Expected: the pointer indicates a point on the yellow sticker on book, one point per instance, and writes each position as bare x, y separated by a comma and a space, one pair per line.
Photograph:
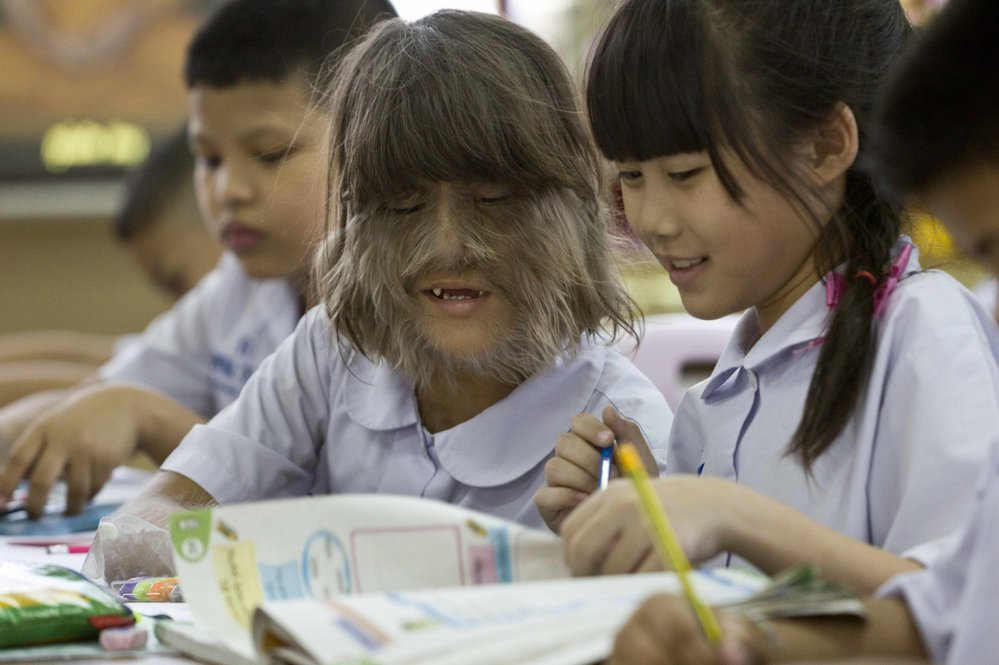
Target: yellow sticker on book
238, 580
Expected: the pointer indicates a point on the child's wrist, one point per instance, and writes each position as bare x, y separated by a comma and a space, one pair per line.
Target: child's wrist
728, 516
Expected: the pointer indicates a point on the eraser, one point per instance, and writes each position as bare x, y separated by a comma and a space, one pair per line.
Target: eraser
123, 639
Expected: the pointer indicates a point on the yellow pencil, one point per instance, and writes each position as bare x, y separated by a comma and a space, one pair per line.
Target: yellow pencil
664, 539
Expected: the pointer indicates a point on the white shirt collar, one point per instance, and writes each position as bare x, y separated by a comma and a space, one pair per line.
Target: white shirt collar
496, 446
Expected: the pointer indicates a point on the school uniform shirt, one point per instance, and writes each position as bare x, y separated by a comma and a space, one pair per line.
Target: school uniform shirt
202, 351
901, 473
318, 419
953, 600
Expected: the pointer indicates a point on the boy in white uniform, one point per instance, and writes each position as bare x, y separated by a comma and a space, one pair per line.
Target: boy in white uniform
466, 282
938, 142
260, 147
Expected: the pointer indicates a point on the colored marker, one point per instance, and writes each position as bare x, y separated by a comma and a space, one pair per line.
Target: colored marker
148, 589
64, 548
664, 539
606, 455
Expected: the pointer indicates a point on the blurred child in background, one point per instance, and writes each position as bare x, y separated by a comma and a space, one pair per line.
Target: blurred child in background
260, 147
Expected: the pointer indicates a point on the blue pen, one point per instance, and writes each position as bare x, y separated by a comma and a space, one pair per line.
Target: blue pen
606, 455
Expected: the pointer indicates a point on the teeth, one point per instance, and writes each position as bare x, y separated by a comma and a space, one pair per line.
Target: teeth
439, 293
685, 263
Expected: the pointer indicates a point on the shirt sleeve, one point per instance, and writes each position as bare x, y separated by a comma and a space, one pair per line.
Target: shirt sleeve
951, 598
173, 354
938, 422
636, 398
267, 443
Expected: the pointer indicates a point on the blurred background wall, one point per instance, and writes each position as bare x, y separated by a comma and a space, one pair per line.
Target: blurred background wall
88, 86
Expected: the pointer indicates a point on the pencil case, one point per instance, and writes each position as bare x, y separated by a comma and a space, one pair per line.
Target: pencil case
42, 603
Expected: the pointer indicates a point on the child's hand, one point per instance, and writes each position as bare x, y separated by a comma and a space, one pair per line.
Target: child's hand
607, 535
664, 631
574, 472
81, 441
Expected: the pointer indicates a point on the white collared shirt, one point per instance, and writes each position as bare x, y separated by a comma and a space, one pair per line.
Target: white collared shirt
901, 473
314, 420
202, 351
953, 600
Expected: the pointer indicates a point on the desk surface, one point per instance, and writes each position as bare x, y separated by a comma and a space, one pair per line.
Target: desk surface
124, 485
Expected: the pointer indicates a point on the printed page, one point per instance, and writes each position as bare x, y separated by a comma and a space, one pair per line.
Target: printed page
558, 622
232, 558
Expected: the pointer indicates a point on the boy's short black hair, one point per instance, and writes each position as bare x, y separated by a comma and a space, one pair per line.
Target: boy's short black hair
939, 111
159, 182
271, 40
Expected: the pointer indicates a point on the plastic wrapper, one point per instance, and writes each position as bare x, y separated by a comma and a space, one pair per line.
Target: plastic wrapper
42, 603
125, 547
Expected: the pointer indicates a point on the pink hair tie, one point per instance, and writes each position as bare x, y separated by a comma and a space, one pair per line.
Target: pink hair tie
886, 288
836, 282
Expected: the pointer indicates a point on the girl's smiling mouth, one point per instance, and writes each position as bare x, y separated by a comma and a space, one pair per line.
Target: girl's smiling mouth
456, 300
682, 272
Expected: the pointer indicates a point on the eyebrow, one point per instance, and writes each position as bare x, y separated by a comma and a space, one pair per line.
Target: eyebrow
264, 131
259, 132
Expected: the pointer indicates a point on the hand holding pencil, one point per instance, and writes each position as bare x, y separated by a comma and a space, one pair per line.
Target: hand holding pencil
665, 541
605, 534
574, 472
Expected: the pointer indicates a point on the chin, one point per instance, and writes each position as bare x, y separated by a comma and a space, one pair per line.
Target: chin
706, 312
263, 269
461, 348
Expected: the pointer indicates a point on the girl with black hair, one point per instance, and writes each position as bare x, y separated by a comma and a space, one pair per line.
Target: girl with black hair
849, 416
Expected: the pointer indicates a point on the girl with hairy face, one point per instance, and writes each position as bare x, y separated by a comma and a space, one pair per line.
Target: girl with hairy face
467, 285
468, 238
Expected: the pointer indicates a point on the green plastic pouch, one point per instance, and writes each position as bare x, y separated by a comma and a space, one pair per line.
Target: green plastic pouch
41, 603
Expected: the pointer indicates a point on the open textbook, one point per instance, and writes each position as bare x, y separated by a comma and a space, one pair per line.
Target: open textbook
554, 622
352, 579
230, 559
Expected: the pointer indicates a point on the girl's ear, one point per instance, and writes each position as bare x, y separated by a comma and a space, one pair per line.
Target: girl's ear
834, 145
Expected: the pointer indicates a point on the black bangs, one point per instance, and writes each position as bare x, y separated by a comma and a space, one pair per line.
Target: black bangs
403, 125
634, 70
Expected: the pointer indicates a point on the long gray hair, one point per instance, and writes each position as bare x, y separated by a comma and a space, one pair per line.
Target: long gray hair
465, 98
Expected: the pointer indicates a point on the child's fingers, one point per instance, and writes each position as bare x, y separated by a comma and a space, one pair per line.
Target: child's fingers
588, 537
589, 428
627, 554
100, 474
78, 484
635, 645
627, 431
46, 470
561, 472
554, 503
17, 465
650, 563
579, 453
662, 630
586, 512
